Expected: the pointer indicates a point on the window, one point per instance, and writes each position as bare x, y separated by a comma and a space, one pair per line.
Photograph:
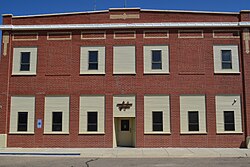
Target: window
156, 60
124, 125
229, 124
226, 59
193, 121
57, 114
22, 114
193, 114
25, 61
56, 121
22, 121
157, 121
93, 60
92, 121
228, 114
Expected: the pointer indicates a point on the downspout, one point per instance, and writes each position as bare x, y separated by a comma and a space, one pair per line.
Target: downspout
243, 84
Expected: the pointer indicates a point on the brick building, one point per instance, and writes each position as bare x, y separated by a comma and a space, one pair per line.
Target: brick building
125, 77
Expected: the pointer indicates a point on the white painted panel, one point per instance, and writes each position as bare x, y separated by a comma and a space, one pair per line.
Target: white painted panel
56, 104
3, 140
22, 104
192, 103
148, 59
17, 60
94, 104
85, 58
227, 103
124, 60
118, 99
156, 103
218, 59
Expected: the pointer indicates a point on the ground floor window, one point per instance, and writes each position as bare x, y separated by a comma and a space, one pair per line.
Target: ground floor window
56, 121
157, 121
22, 121
193, 120
92, 121
229, 124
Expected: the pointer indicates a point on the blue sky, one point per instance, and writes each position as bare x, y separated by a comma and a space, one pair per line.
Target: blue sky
27, 7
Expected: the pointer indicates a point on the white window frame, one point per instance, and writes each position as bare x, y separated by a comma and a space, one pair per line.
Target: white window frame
22, 104
217, 54
193, 102
16, 66
154, 103
92, 103
148, 51
84, 60
228, 102
56, 104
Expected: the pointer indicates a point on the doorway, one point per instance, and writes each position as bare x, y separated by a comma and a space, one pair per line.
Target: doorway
125, 132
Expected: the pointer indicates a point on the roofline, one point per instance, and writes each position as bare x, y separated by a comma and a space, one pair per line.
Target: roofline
188, 11
131, 25
57, 14
110, 9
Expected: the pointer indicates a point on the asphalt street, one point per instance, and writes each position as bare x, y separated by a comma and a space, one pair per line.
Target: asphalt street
26, 161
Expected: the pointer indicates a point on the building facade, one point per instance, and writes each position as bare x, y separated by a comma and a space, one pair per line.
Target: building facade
125, 77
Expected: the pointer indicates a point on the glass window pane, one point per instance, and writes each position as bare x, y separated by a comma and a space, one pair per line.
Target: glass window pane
25, 57
57, 117
226, 65
156, 56
93, 66
93, 56
156, 66
25, 67
226, 55
193, 117
92, 117
124, 125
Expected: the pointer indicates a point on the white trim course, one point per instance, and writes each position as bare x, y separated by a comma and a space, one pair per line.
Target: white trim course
120, 26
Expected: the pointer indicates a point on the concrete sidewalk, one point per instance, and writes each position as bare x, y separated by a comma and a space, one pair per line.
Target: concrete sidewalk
127, 152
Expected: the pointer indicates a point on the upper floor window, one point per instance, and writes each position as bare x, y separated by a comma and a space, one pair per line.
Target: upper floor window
156, 59
93, 60
226, 59
24, 61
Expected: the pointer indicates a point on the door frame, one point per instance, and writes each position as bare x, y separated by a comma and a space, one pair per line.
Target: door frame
117, 121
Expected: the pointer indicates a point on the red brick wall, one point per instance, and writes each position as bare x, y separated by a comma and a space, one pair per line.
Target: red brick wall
58, 71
